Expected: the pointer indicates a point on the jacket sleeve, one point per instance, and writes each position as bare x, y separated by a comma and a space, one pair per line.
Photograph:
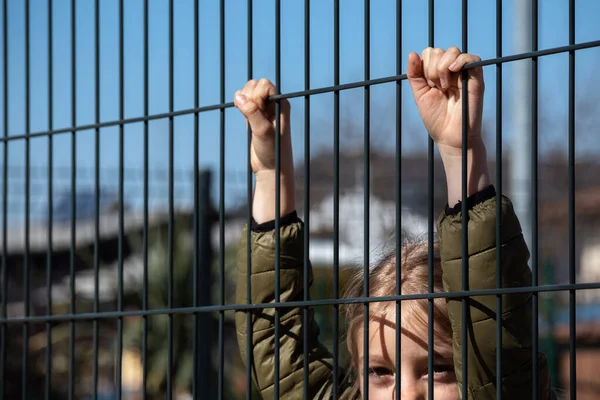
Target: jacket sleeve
291, 341
516, 310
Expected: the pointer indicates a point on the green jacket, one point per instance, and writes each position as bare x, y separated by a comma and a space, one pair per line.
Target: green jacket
516, 310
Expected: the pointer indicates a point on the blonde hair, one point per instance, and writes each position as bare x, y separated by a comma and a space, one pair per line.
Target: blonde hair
414, 261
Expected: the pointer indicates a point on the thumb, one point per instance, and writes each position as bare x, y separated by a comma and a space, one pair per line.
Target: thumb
258, 122
415, 76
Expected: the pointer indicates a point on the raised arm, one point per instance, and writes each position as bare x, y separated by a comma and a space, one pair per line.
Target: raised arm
252, 102
437, 87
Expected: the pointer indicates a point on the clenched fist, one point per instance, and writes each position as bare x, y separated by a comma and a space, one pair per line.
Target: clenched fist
436, 83
260, 114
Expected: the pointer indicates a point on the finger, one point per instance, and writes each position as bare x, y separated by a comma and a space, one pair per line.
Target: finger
463, 60
258, 122
443, 71
426, 56
473, 73
265, 88
261, 93
434, 59
415, 76
249, 87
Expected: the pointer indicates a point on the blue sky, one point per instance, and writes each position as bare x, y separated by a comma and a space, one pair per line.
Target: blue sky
553, 31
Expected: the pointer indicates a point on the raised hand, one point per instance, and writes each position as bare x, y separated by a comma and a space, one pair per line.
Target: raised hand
260, 114
437, 86
436, 83
253, 102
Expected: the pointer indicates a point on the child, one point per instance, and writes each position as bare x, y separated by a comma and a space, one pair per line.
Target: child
436, 83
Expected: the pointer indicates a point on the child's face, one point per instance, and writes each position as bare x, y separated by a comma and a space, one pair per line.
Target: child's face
413, 361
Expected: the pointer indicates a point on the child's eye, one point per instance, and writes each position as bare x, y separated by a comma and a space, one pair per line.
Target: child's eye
443, 372
442, 368
380, 372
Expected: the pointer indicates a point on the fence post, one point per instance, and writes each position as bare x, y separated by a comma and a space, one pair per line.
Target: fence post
204, 321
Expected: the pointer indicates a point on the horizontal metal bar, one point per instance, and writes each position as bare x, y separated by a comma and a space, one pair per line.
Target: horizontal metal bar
534, 54
311, 303
327, 89
122, 121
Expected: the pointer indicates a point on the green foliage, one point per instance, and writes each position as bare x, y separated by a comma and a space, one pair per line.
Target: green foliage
158, 298
182, 253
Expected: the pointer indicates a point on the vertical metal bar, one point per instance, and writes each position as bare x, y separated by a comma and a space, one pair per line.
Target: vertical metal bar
336, 190
4, 195
305, 310
120, 196
73, 197
367, 189
277, 186
221, 360
205, 361
430, 225
25, 371
572, 276
398, 195
499, 200
96, 326
249, 347
534, 194
170, 245
48, 380
197, 327
145, 244
464, 208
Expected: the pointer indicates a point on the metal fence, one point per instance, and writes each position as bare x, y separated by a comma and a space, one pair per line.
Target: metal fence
200, 307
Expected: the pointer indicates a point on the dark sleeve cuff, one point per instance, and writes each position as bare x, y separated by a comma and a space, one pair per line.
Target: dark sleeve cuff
477, 198
270, 225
